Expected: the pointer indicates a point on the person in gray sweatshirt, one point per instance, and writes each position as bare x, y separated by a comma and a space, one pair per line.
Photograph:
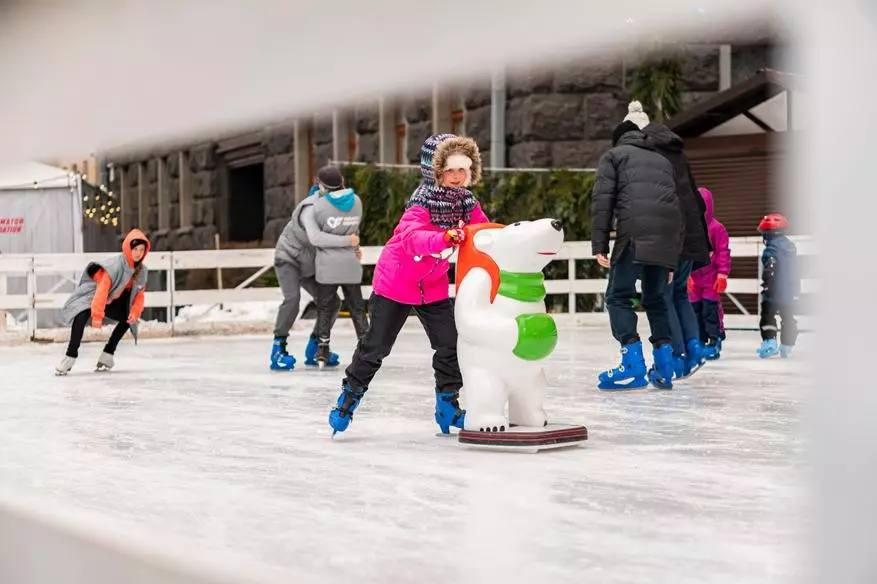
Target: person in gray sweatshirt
337, 211
294, 263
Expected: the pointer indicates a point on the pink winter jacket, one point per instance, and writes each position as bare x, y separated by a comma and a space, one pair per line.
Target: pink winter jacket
706, 276
400, 276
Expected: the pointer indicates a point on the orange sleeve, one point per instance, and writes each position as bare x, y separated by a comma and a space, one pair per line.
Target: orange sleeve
137, 307
99, 303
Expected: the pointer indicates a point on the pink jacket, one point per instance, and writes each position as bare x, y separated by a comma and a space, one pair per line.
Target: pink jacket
399, 276
706, 276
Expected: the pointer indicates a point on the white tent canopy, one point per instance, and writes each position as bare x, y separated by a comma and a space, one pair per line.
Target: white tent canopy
35, 175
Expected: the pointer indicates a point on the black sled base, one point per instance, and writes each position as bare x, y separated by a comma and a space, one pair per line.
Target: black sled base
526, 438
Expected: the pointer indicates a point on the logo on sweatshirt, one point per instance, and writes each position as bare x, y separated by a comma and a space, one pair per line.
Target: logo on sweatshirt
336, 222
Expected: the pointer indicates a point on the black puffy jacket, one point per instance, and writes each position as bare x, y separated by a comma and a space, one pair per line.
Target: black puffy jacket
635, 185
696, 245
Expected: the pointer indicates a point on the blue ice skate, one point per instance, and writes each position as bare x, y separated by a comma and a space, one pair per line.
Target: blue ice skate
694, 357
767, 349
447, 411
280, 359
341, 416
713, 349
631, 374
311, 355
679, 370
786, 351
661, 374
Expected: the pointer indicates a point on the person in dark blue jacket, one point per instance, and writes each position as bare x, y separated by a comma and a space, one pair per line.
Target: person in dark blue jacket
780, 287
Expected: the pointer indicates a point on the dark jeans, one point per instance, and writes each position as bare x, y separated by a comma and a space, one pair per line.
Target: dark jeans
328, 304
387, 318
622, 289
116, 310
683, 320
768, 324
708, 319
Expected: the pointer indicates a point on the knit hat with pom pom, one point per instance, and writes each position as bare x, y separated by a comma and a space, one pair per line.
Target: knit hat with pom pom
636, 115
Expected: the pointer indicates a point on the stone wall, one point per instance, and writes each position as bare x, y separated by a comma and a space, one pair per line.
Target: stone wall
278, 142
562, 116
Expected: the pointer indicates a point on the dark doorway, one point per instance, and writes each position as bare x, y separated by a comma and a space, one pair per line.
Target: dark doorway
246, 203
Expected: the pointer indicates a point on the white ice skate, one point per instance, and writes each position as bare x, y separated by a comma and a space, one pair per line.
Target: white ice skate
104, 362
65, 366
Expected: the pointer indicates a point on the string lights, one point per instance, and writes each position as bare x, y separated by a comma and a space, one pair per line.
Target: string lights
100, 204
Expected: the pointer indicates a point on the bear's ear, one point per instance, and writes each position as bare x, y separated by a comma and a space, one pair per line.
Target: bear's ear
484, 239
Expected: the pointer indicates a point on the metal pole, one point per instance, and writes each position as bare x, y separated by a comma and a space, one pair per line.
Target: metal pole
497, 119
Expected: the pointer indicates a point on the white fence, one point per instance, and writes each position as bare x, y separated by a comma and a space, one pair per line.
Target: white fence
69, 266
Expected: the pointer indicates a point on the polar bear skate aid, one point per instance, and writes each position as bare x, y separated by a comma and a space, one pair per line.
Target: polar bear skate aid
504, 335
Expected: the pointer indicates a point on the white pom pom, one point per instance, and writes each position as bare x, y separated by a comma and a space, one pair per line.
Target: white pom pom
635, 107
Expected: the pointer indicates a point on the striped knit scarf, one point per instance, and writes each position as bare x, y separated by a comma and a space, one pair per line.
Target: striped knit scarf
447, 206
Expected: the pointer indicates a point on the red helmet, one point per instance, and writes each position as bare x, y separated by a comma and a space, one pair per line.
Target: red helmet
773, 222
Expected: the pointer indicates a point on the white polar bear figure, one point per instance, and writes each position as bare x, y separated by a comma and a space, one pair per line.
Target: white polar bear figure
503, 329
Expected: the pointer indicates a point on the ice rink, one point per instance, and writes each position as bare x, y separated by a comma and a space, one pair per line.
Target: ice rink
195, 445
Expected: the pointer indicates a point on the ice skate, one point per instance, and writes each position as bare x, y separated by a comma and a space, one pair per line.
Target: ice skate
105, 362
786, 351
694, 357
280, 359
713, 349
630, 374
323, 356
311, 355
661, 374
341, 416
64, 367
767, 349
447, 411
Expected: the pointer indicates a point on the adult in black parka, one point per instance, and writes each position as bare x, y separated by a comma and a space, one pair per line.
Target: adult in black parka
636, 188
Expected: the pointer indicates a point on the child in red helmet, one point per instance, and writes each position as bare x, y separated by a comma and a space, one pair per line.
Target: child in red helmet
780, 287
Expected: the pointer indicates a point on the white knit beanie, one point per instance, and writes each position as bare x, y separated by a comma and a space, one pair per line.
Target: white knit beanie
636, 115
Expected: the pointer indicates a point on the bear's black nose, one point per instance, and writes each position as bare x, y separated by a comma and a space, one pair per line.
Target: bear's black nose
558, 226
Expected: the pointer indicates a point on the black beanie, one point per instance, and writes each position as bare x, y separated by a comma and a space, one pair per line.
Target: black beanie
623, 128
330, 177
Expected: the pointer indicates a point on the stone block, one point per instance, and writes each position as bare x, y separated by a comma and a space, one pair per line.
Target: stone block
578, 153
603, 112
273, 229
700, 68
415, 136
578, 76
368, 148
527, 81
278, 139
367, 119
478, 126
279, 202
202, 157
545, 118
530, 155
418, 109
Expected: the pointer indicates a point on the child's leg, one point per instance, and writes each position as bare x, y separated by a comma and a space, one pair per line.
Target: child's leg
387, 319
438, 321
118, 311
711, 319
290, 284
768, 323
721, 321
80, 321
328, 304
789, 332
358, 310
698, 313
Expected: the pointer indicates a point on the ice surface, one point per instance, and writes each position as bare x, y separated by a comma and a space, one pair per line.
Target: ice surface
194, 442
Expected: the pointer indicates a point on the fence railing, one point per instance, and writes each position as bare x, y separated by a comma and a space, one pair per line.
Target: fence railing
66, 269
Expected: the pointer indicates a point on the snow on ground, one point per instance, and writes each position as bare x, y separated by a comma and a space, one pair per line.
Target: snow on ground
194, 444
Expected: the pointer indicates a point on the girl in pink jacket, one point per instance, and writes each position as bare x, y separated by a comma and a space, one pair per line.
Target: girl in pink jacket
706, 284
412, 272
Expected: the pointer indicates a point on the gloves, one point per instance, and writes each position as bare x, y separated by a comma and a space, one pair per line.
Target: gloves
721, 283
690, 284
455, 236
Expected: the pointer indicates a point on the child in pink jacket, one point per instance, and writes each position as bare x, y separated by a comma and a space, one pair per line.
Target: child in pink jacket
706, 284
412, 272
